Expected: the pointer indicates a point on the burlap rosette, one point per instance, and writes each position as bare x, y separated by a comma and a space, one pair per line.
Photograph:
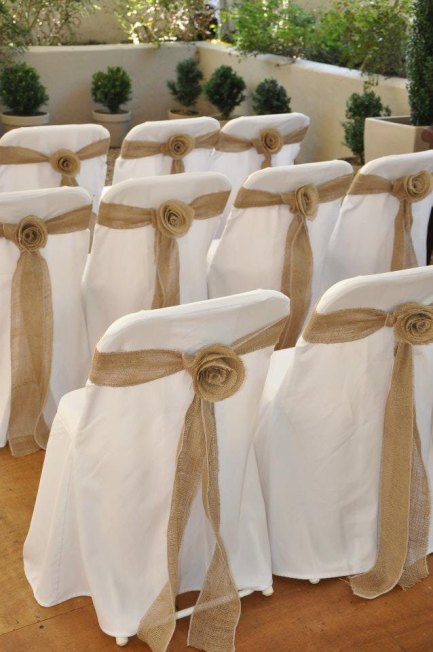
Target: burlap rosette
297, 270
171, 220
63, 161
268, 143
404, 508
32, 325
407, 190
177, 147
217, 373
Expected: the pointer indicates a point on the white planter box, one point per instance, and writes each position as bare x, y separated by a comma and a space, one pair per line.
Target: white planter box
391, 135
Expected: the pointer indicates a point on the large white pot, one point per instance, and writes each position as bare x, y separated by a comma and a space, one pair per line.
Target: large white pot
116, 123
392, 135
11, 121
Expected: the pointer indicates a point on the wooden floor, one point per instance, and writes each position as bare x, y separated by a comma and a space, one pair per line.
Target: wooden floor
298, 617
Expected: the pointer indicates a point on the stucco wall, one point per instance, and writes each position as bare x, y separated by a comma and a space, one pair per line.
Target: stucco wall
316, 89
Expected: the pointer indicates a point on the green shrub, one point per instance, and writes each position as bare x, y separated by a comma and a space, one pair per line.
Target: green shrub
270, 97
21, 89
12, 36
225, 90
420, 64
358, 108
111, 88
153, 21
187, 87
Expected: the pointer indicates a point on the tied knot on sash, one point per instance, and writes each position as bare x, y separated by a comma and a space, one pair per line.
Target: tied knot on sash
30, 234
177, 147
67, 163
414, 187
270, 142
173, 218
404, 499
306, 201
217, 372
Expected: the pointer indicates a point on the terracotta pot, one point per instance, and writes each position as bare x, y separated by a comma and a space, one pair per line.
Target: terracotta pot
11, 121
392, 135
116, 123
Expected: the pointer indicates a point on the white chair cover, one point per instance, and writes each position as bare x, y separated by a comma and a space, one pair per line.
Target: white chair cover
250, 253
239, 165
320, 434
100, 520
159, 132
363, 237
66, 257
120, 274
47, 140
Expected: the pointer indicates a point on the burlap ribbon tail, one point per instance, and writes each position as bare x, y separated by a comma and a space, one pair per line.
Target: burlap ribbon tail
171, 220
296, 277
177, 147
404, 507
217, 373
63, 161
269, 142
407, 190
31, 334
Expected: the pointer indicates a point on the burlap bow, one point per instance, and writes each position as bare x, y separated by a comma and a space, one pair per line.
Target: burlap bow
404, 490
217, 372
177, 147
32, 325
171, 220
269, 142
407, 190
63, 161
297, 271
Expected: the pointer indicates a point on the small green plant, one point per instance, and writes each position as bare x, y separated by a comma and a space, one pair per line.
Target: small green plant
187, 87
21, 89
270, 97
12, 36
420, 64
360, 106
224, 90
111, 88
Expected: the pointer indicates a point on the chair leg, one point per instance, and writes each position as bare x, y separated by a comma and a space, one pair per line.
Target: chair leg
314, 580
268, 592
121, 640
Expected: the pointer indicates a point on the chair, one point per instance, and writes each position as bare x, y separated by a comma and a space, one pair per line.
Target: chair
250, 143
50, 156
103, 511
135, 264
167, 146
383, 223
321, 440
44, 239
277, 235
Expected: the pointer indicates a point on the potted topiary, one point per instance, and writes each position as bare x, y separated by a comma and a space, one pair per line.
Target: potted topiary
224, 90
186, 89
112, 89
404, 134
360, 107
23, 93
270, 97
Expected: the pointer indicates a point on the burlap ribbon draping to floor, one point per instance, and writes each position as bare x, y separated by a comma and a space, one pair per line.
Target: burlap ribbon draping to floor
177, 147
63, 161
407, 190
32, 325
297, 272
269, 142
404, 511
217, 373
171, 220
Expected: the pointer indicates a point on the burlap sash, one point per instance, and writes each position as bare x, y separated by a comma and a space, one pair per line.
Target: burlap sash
171, 221
404, 491
407, 190
32, 325
177, 147
217, 373
297, 271
269, 142
63, 161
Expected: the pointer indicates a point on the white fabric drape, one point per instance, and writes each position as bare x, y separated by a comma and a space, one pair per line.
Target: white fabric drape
100, 519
